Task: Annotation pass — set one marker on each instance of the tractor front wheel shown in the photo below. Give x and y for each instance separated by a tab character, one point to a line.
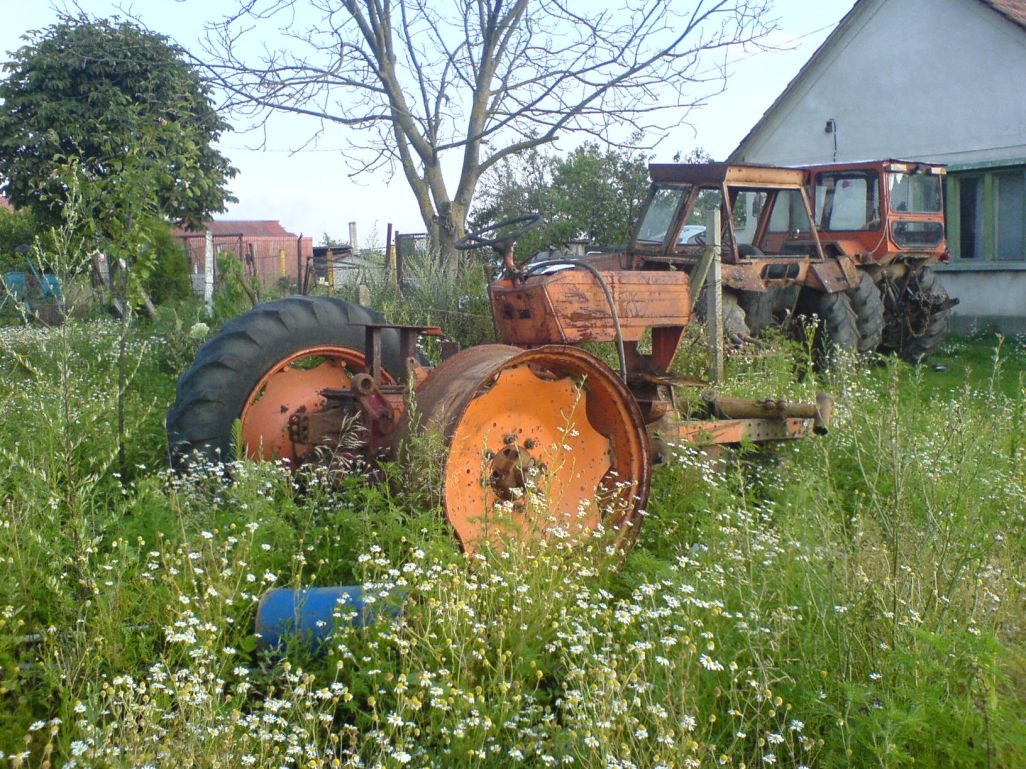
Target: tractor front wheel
735	324
837	330
264	366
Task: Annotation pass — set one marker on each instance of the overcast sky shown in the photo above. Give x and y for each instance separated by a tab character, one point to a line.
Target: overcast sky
310	193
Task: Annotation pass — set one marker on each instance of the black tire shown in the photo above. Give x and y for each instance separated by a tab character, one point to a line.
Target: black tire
758	309
922	335
838	325
868	305
212	393
734	323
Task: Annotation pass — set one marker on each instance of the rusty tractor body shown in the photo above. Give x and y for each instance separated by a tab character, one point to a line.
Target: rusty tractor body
773	265
888	217
536	434
880	213
768	237
850	244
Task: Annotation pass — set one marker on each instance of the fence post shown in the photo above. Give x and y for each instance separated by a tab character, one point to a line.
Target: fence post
398	267
208	272
389	257
299	264
282	272
714	297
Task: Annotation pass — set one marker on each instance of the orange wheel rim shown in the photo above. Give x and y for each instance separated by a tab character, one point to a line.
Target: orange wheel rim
547	443
293	385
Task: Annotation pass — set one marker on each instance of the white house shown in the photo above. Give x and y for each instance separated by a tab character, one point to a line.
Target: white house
934	80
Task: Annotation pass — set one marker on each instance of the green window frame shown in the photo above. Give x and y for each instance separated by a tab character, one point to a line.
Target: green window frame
986	213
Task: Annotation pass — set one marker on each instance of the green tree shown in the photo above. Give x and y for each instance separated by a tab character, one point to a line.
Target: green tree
598	194
108	93
593	194
17	228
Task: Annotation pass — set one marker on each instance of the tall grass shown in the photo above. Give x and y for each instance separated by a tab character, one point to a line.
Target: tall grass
851	601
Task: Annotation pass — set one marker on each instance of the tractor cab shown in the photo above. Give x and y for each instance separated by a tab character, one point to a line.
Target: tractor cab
880	211
768	237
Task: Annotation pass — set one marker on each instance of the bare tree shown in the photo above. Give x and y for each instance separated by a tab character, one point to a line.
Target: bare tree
422	81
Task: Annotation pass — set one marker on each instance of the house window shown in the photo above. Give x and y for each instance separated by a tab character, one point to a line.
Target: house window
970	216
987	214
1010	210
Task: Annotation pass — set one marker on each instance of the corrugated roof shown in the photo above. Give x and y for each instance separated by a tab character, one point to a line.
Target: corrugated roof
1013	10
252	228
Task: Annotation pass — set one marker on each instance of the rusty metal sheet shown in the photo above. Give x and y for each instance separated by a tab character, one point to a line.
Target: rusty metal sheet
569	307
731	173
741	431
833	275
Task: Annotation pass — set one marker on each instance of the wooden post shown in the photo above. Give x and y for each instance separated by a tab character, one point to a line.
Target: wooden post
208	272
389	256
398	267
299	263
714	298
282	271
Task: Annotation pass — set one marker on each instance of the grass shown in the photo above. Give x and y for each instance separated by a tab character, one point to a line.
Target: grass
851	601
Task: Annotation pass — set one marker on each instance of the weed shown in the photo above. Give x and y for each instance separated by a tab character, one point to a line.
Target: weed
858	601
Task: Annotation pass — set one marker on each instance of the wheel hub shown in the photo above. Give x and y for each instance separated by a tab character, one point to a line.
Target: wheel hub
513	467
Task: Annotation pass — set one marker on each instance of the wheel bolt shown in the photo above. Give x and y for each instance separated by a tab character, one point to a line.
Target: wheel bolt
509	439
530	443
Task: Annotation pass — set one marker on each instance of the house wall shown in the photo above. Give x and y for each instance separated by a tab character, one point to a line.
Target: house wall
934	80
989	299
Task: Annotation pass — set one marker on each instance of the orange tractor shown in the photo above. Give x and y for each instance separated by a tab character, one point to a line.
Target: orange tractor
888	217
856	253
534	424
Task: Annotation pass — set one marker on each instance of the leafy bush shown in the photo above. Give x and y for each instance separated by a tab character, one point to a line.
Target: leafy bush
17	228
166	277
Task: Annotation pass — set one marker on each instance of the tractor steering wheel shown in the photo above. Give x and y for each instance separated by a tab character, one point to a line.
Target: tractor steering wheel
500	236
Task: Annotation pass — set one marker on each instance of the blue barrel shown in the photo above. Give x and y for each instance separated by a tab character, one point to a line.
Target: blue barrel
308	613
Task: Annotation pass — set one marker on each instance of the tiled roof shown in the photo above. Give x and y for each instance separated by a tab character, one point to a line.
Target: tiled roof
1013	10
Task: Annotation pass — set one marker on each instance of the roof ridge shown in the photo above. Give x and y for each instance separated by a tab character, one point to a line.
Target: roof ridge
1013	10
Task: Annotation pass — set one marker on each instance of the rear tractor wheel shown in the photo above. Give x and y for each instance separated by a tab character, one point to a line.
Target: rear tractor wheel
917	313
263	367
758	309
543	443
868	306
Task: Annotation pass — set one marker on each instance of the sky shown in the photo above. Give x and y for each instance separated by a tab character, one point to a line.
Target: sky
310	191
